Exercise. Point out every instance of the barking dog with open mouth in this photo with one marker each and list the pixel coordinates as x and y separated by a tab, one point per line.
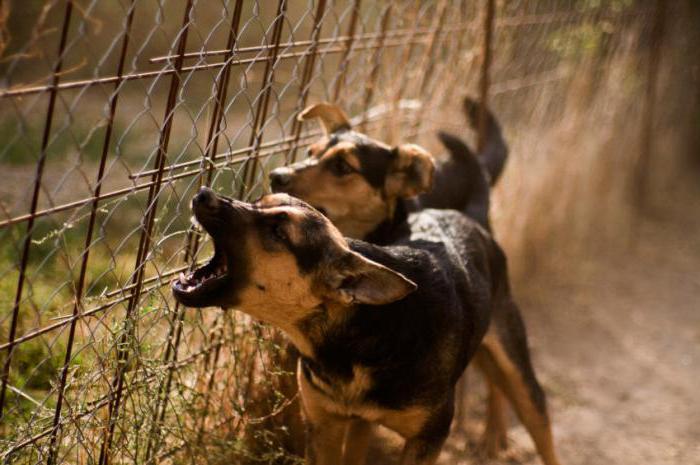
368	188
384	332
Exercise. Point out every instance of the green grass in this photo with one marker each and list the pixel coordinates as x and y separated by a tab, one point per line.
22	142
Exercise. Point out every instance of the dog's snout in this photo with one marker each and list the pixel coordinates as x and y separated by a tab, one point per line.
280	177
205	197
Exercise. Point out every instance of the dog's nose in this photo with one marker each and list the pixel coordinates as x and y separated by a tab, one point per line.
205	197
280	177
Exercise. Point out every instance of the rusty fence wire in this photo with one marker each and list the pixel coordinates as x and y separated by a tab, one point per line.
113	113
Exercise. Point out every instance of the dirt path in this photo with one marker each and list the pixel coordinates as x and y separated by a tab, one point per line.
616	343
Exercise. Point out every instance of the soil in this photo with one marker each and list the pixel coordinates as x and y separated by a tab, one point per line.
615	338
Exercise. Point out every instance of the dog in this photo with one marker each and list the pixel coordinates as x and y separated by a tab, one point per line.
369	189
384	332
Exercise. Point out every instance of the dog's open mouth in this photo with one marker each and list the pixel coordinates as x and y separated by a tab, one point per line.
204	279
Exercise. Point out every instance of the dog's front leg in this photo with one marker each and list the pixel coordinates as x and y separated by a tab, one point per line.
357	441
325	431
324	441
422	451
425	448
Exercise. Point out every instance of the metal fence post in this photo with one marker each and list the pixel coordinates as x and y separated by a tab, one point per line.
24	261
256	132
306	75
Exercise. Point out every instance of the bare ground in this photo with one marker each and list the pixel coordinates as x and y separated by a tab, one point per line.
615	338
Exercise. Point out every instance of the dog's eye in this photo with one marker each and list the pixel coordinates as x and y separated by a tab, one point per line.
341	167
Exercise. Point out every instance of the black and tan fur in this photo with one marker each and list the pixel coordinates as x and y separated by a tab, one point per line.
368	189
384	332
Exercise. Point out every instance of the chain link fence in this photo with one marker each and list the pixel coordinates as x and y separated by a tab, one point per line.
113	113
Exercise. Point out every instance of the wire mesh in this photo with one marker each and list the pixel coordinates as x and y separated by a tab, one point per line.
113	113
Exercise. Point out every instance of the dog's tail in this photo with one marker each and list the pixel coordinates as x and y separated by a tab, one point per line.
463	181
495	151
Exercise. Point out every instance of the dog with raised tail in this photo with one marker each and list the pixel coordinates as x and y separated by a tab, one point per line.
384	332
367	187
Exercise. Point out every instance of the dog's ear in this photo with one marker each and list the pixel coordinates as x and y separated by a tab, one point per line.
358	280
411	172
332	117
